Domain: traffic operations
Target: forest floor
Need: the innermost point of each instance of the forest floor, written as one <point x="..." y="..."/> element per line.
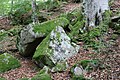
<point x="28" y="69"/>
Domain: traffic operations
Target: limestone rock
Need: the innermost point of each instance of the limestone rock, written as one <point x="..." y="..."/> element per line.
<point x="31" y="35"/>
<point x="55" y="48"/>
<point x="78" y="71"/>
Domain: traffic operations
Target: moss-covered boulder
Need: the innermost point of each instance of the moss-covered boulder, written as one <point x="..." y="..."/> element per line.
<point x="55" y="48"/>
<point x="8" y="62"/>
<point x="31" y="35"/>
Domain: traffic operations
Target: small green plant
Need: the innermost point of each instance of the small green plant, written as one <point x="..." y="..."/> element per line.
<point x="94" y="37"/>
<point x="89" y="64"/>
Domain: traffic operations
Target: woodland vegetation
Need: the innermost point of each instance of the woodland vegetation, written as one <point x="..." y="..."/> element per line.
<point x="60" y="40"/>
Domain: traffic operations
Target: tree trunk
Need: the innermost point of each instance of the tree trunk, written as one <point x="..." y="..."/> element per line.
<point x="34" y="13"/>
<point x="93" y="10"/>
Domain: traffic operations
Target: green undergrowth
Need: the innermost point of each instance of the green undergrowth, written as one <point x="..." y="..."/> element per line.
<point x="62" y="66"/>
<point x="3" y="35"/>
<point x="49" y="5"/>
<point x="44" y="76"/>
<point x="77" y="22"/>
<point x="22" y="11"/>
<point x="94" y="37"/>
<point x="8" y="62"/>
<point x="116" y="26"/>
<point x="73" y="16"/>
<point x="89" y="65"/>
<point x="12" y="32"/>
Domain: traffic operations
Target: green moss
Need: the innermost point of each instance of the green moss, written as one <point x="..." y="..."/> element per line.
<point x="46" y="27"/>
<point x="89" y="37"/>
<point x="114" y="36"/>
<point x="116" y="25"/>
<point x="60" y="67"/>
<point x="76" y="20"/>
<point x="42" y="52"/>
<point x="118" y="31"/>
<point x="106" y="19"/>
<point x="42" y="49"/>
<point x="88" y="64"/>
<point x="8" y="62"/>
<point x="14" y="31"/>
<point x="42" y="75"/>
<point x="2" y="78"/>
<point x="75" y="32"/>
<point x="74" y="16"/>
<point x="3" y="35"/>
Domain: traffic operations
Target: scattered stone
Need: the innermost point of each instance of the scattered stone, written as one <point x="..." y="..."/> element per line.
<point x="78" y="71"/>
<point x="8" y="62"/>
<point x="31" y="35"/>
